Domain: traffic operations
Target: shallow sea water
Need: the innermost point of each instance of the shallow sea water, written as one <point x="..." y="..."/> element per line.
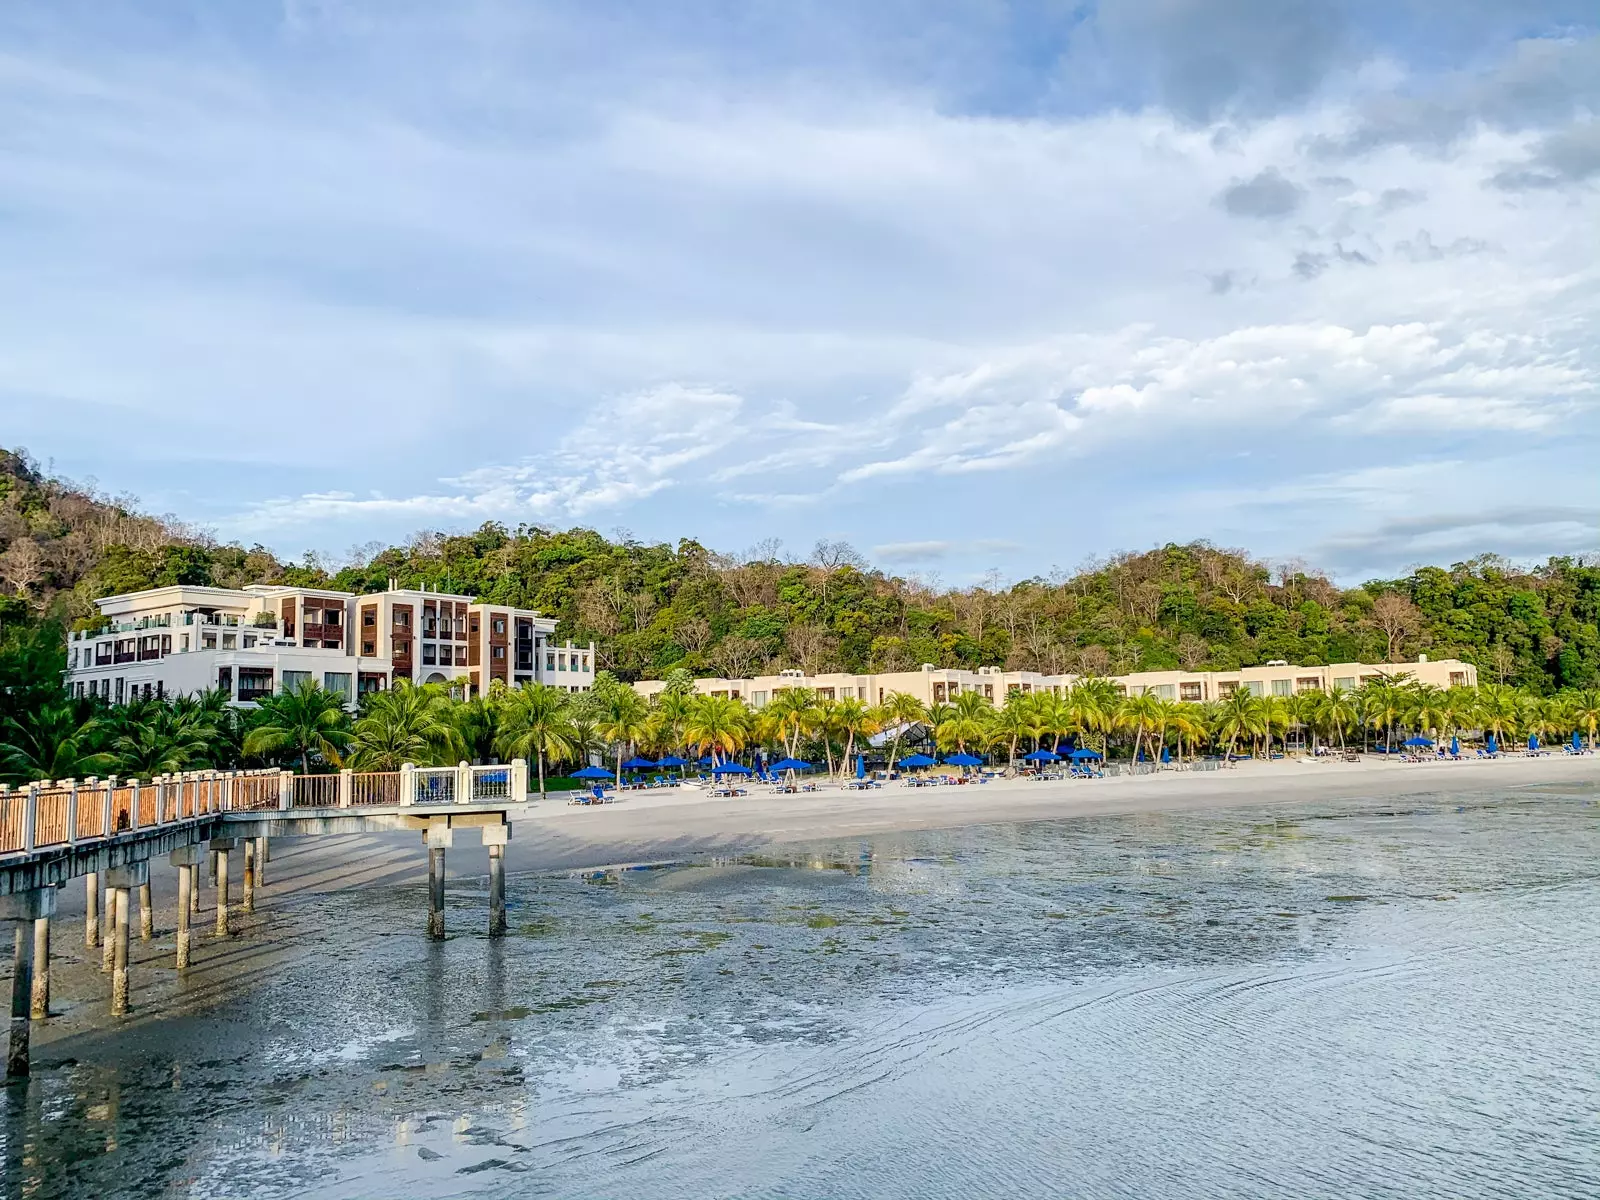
<point x="1353" y="1001"/>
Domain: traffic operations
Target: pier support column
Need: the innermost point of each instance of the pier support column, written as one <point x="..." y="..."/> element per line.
<point x="147" y="913"/>
<point x="23" y="909"/>
<point x="91" y="910"/>
<point x="187" y="859"/>
<point x="219" y="858"/>
<point x="194" y="887"/>
<point x="249" y="898"/>
<point x="108" y="925"/>
<point x="39" y="1009"/>
<point x="495" y="838"/>
<point x="437" y="837"/>
<point x="121" y="881"/>
<point x="261" y="861"/>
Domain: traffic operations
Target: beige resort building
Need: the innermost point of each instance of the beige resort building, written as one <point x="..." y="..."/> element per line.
<point x="937" y="685"/>
<point x="257" y="640"/>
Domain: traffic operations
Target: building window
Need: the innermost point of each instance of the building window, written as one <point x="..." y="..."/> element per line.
<point x="758" y="698"/>
<point x="337" y="682"/>
<point x="1345" y="683"/>
<point x="429" y="655"/>
<point x="1308" y="683"/>
<point x="230" y="641"/>
<point x="369" y="618"/>
<point x="498" y="626"/>
<point x="1163" y="691"/>
<point x="1458" y="679"/>
<point x="249" y="641"/>
<point x="402" y="618"/>
<point x="497" y="652"/>
<point x="295" y="679"/>
<point x="585" y="662"/>
<point x="1191" y="691"/>
<point x="549" y="662"/>
<point x="369" y="649"/>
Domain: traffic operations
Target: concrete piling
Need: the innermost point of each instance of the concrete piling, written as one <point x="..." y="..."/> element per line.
<point x="91" y="910"/>
<point x="261" y="861"/>
<point x="147" y="913"/>
<point x="187" y="859"/>
<point x="108" y="929"/>
<point x="219" y="859"/>
<point x="119" y="961"/>
<point x="24" y="910"/>
<point x="249" y="897"/>
<point x="435" y="893"/>
<point x="21" y="996"/>
<point x="39" y="1008"/>
<point x="494" y="840"/>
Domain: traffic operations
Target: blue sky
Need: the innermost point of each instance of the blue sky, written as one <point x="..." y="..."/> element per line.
<point x="974" y="285"/>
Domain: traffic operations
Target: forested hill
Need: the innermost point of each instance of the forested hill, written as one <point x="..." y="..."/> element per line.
<point x="653" y="607"/>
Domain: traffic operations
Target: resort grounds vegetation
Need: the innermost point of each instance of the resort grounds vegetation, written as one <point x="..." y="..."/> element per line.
<point x="46" y="735"/>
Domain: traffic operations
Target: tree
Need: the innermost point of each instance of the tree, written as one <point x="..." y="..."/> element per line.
<point x="409" y="723"/>
<point x="899" y="711"/>
<point x="717" y="725"/>
<point x="55" y="742"/>
<point x="1239" y="715"/>
<point x="303" y="720"/>
<point x="794" y="713"/>
<point x="159" y="739"/>
<point x="624" y="720"/>
<point x="1398" y="618"/>
<point x="1585" y="712"/>
<point x="535" y="722"/>
<point x="1138" y="712"/>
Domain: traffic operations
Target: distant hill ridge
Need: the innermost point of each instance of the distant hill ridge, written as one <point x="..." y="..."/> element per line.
<point x="654" y="607"/>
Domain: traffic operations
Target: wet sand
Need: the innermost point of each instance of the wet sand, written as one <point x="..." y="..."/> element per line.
<point x="674" y="824"/>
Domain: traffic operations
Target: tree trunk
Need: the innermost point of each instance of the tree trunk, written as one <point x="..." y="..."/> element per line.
<point x="539" y="754"/>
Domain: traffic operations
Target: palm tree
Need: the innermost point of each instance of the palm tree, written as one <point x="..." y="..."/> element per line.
<point x="164" y="740"/>
<point x="1386" y="706"/>
<point x="1012" y="723"/>
<point x="793" y="712"/>
<point x="1091" y="707"/>
<point x="1341" y="712"/>
<point x="624" y="720"/>
<point x="1429" y="711"/>
<point x="854" y="719"/>
<point x="476" y="719"/>
<point x="1585" y="712"/>
<point x="305" y="720"/>
<point x="968" y="722"/>
<point x="535" y="721"/>
<point x="827" y="726"/>
<point x="900" y="711"/>
<point x="1499" y="708"/>
<point x="716" y="724"/>
<point x="1239" y="715"/>
<point x="1188" y="721"/>
<point x="1138" y="712"/>
<point x="54" y="742"/>
<point x="409" y="723"/>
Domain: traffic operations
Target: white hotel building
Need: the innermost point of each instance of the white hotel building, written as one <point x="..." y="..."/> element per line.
<point x="937" y="685"/>
<point x="261" y="639"/>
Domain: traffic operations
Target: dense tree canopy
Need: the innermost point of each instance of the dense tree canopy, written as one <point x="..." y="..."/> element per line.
<point x="652" y="608"/>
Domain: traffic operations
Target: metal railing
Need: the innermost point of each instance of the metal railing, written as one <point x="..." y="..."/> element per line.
<point x="375" y="787"/>
<point x="316" y="791"/>
<point x="434" y="785"/>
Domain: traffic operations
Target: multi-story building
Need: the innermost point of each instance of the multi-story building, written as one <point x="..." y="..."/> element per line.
<point x="257" y="640"/>
<point x="937" y="685"/>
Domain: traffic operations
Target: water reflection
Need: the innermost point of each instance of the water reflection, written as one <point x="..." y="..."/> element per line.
<point x="1377" y="1003"/>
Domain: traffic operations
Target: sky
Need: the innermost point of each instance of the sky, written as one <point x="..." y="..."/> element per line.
<point x="975" y="285"/>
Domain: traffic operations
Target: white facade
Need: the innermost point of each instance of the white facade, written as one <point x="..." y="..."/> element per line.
<point x="257" y="640"/>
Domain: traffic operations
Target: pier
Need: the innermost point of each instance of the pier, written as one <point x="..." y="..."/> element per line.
<point x="107" y="832"/>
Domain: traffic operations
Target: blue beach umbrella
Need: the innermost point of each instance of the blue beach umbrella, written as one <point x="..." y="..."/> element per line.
<point x="672" y="761"/>
<point x="638" y="764"/>
<point x="1533" y="741"/>
<point x="1083" y="755"/>
<point x="1577" y="742"/>
<point x="1165" y="757"/>
<point x="861" y="766"/>
<point x="1455" y="746"/>
<point x="916" y="760"/>
<point x="730" y="768"/>
<point x="592" y="773"/>
<point x="790" y="764"/>
<point x="1491" y="746"/>
<point x="1418" y="741"/>
<point x="963" y="760"/>
<point x="1042" y="756"/>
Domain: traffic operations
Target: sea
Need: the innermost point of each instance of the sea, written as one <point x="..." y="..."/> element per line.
<point x="1345" y="999"/>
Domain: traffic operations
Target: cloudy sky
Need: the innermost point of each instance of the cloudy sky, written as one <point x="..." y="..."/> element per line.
<point x="972" y="284"/>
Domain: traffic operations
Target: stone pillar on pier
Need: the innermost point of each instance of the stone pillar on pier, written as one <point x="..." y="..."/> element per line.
<point x="261" y="861"/>
<point x="248" y="900"/>
<point x="147" y="913"/>
<point x="121" y="881"/>
<point x="219" y="856"/>
<point x="187" y="859"/>
<point x="39" y="1009"/>
<point x="495" y="838"/>
<point x="438" y="839"/>
<point x="23" y="909"/>
<point x="108" y="925"/>
<point x="91" y="910"/>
